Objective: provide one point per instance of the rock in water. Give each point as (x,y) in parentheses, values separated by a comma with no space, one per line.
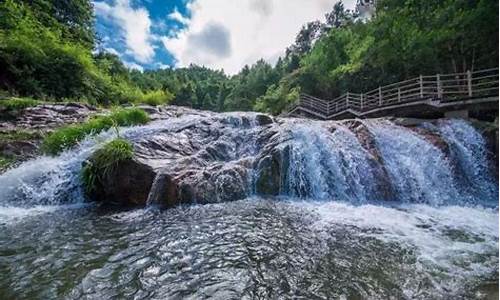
(126,184)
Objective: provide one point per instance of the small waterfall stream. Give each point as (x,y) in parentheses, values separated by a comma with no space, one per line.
(418,170)
(326,165)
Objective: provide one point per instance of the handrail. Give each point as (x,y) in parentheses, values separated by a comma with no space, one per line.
(439,87)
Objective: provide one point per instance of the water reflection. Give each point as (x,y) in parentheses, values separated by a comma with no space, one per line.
(250,249)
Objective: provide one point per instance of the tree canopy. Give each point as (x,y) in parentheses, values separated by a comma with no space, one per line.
(46,42)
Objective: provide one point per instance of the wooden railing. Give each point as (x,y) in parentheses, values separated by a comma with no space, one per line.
(439,87)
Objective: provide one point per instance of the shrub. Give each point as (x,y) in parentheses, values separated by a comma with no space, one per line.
(129,116)
(104,160)
(157,98)
(70,135)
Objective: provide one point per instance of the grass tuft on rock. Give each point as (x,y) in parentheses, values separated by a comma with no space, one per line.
(104,160)
(68,136)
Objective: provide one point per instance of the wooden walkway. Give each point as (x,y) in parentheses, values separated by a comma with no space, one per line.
(437,92)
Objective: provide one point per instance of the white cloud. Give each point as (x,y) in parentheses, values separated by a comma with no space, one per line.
(132,65)
(162,66)
(245,30)
(177,16)
(135,26)
(112,51)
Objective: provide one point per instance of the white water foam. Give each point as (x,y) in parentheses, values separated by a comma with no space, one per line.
(457,242)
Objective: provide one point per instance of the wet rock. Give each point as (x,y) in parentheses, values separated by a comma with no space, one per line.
(204,157)
(149,108)
(263,119)
(22,148)
(194,161)
(21,131)
(128,183)
(272,172)
(384,189)
(490,131)
(365,137)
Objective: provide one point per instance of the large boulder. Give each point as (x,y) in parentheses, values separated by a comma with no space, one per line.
(194,161)
(271,172)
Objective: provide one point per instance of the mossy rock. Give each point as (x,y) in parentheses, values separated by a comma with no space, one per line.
(111,175)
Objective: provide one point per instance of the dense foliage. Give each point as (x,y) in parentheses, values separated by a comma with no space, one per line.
(405,39)
(46,42)
(46,51)
(344,53)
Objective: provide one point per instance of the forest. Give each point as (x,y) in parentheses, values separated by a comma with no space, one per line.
(48,51)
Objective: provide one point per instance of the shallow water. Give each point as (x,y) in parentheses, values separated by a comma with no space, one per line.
(251,249)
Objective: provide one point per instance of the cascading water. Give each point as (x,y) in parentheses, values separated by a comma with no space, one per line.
(470,151)
(419,171)
(319,160)
(368,209)
(326,165)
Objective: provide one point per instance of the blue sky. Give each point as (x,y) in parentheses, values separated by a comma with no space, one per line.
(221,34)
(111,29)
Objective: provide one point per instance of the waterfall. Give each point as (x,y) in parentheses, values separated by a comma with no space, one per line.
(326,165)
(469,149)
(214,153)
(419,171)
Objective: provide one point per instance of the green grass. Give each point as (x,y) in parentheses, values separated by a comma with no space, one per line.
(68,136)
(14,104)
(5,162)
(104,160)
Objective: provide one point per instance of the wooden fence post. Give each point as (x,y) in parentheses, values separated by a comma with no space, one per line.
(469,83)
(439,89)
(347,100)
(361,103)
(380,96)
(421,86)
(399,94)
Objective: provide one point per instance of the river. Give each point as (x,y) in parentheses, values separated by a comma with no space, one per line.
(326,236)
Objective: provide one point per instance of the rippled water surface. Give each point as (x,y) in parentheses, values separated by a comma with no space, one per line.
(251,249)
